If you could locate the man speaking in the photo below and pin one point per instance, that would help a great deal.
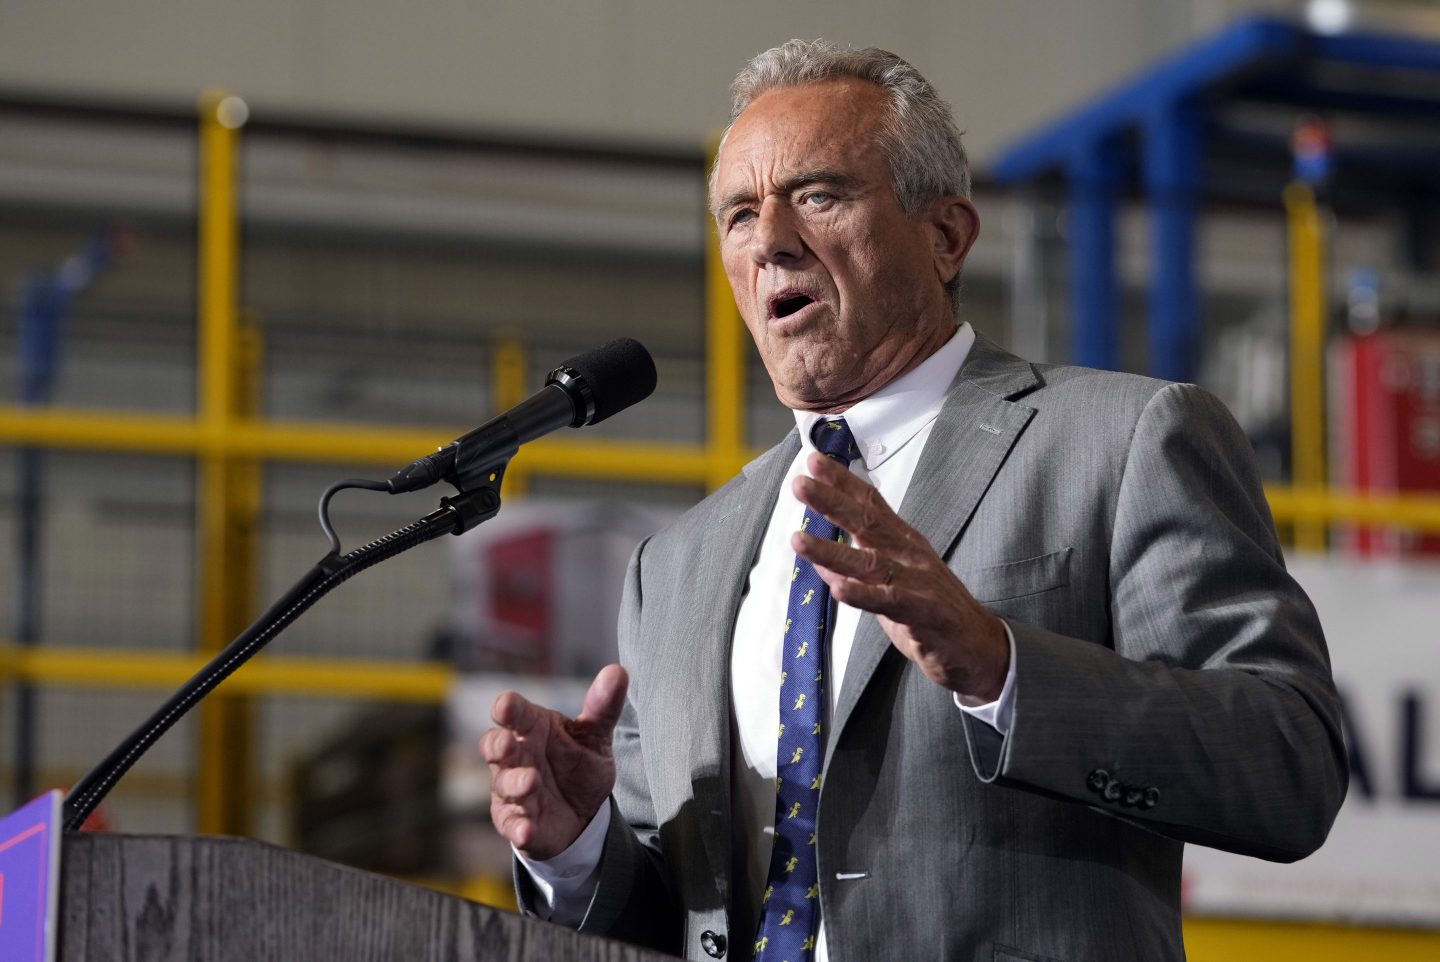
(956, 669)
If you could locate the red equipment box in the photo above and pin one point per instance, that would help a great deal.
(1385, 417)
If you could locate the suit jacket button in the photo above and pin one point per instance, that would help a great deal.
(1132, 796)
(1150, 797)
(1113, 789)
(713, 943)
(1098, 779)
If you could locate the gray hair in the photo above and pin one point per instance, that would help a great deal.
(919, 138)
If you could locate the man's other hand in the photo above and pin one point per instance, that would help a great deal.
(549, 774)
(891, 570)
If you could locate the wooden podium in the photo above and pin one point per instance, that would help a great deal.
(156, 898)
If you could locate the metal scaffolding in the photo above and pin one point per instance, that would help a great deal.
(1168, 137)
(230, 440)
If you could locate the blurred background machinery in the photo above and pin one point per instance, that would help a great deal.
(211, 314)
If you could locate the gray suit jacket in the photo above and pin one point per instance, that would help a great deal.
(1172, 685)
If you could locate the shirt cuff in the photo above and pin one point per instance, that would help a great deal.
(998, 713)
(566, 883)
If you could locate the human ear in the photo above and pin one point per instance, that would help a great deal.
(956, 225)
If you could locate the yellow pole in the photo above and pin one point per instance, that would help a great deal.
(1307, 352)
(221, 117)
(236, 795)
(225, 535)
(508, 367)
(725, 339)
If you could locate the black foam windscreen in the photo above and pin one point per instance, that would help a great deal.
(618, 374)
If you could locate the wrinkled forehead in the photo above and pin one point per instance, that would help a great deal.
(832, 124)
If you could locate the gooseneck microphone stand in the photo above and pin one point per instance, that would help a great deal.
(478, 500)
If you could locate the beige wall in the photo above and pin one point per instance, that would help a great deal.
(626, 70)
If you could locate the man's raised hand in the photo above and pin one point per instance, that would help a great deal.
(890, 569)
(549, 774)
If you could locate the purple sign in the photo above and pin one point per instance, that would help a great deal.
(29, 880)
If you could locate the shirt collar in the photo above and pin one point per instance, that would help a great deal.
(887, 420)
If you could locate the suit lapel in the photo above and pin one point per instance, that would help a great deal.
(726, 556)
(977, 426)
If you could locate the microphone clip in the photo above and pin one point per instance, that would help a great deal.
(482, 456)
(478, 500)
(467, 463)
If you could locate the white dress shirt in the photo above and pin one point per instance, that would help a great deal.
(890, 429)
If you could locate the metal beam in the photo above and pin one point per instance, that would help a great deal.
(725, 354)
(321, 443)
(1214, 939)
(1096, 172)
(228, 499)
(113, 668)
(1171, 165)
(1246, 46)
(1306, 232)
(1320, 506)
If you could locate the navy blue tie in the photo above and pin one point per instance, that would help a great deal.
(790, 906)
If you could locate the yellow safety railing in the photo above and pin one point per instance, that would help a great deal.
(291, 675)
(229, 441)
(320, 443)
(1318, 507)
(1232, 940)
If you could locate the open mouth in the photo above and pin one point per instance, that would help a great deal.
(789, 304)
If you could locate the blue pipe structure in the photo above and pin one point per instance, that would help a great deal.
(1154, 135)
(44, 311)
(1171, 171)
(1095, 185)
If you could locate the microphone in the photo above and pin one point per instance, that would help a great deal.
(586, 389)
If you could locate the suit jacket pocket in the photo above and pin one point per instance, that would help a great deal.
(1004, 953)
(1016, 579)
